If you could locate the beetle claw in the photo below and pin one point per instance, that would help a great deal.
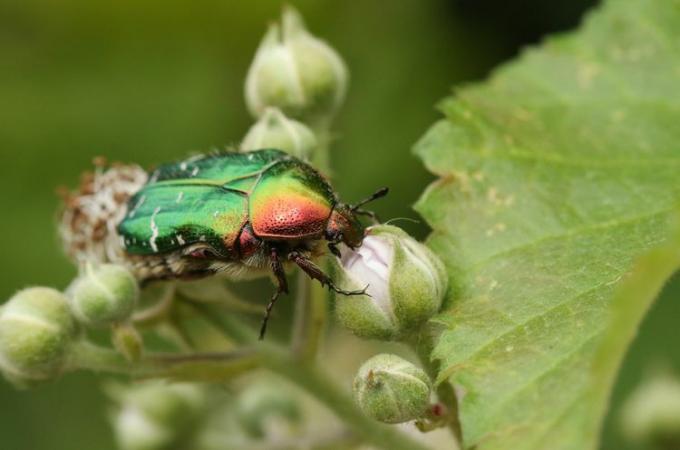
(332, 287)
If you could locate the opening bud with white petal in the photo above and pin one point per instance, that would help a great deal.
(104, 295)
(275, 130)
(406, 284)
(295, 72)
(36, 331)
(392, 390)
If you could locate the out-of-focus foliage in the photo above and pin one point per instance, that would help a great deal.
(148, 81)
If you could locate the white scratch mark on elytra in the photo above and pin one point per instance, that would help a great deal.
(154, 229)
(194, 172)
(139, 203)
(180, 196)
(180, 239)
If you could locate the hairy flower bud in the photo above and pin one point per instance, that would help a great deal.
(275, 130)
(104, 295)
(652, 413)
(157, 415)
(392, 390)
(406, 284)
(36, 330)
(295, 72)
(265, 401)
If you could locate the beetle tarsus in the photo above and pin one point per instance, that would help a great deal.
(282, 287)
(316, 273)
(334, 250)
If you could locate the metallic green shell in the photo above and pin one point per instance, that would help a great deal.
(206, 199)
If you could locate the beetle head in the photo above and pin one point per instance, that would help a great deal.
(344, 225)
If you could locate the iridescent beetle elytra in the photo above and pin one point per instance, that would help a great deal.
(238, 213)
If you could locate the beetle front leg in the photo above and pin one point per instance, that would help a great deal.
(316, 273)
(281, 287)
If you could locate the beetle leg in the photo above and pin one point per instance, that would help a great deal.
(316, 273)
(281, 287)
(334, 249)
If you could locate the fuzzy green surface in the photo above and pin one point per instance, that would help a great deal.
(104, 295)
(35, 331)
(556, 174)
(391, 389)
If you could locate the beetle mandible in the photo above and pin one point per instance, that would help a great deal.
(239, 213)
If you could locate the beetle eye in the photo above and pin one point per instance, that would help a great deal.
(203, 253)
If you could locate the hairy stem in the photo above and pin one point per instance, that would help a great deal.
(311, 309)
(195, 366)
(317, 383)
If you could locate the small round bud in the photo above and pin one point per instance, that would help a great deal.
(651, 415)
(392, 390)
(104, 295)
(263, 402)
(295, 72)
(274, 130)
(406, 284)
(156, 415)
(36, 330)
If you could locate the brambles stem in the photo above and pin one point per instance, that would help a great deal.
(314, 381)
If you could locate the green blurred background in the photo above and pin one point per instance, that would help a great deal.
(149, 81)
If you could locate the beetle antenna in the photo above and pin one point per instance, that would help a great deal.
(376, 195)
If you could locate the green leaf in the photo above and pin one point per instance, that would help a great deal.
(557, 174)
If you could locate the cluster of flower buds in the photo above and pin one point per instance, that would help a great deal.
(39, 326)
(392, 390)
(406, 284)
(295, 72)
(157, 415)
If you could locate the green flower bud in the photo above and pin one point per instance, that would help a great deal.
(295, 72)
(406, 284)
(156, 415)
(651, 415)
(274, 130)
(392, 390)
(264, 401)
(104, 295)
(36, 331)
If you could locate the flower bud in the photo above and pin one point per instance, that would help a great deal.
(274, 130)
(296, 72)
(104, 295)
(156, 415)
(264, 402)
(36, 330)
(391, 389)
(406, 284)
(652, 413)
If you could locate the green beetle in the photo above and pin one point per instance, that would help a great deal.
(239, 213)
